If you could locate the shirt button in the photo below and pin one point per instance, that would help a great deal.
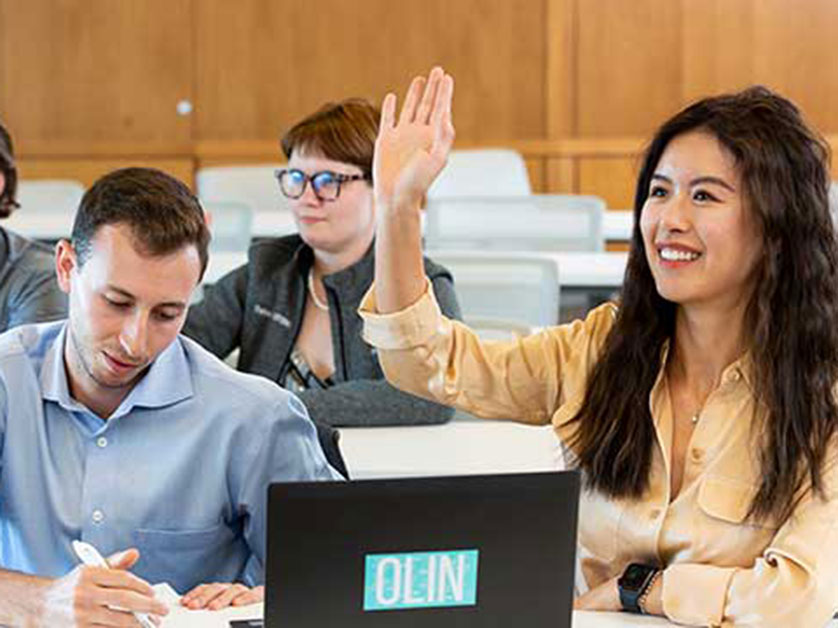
(102, 442)
(98, 516)
(734, 376)
(697, 454)
(654, 513)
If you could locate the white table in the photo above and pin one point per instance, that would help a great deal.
(220, 619)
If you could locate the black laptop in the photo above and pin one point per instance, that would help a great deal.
(437, 552)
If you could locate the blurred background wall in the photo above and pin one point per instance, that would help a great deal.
(575, 85)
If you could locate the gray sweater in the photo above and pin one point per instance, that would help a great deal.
(258, 308)
(29, 292)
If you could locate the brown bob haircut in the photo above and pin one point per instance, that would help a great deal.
(344, 131)
(8, 197)
(162, 212)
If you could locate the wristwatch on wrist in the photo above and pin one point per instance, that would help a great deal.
(633, 583)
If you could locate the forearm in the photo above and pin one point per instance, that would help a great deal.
(399, 271)
(21, 599)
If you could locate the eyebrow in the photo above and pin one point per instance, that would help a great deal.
(699, 180)
(176, 304)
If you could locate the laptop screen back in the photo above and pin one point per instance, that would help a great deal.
(465, 551)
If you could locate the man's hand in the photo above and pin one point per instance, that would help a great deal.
(87, 596)
(220, 595)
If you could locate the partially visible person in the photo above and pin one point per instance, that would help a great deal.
(292, 309)
(701, 407)
(117, 431)
(28, 290)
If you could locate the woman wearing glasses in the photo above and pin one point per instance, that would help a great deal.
(28, 290)
(291, 310)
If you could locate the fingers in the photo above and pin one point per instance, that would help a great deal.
(441, 120)
(256, 594)
(123, 560)
(117, 579)
(388, 111)
(423, 113)
(411, 101)
(213, 596)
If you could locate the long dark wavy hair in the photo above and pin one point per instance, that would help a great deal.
(791, 320)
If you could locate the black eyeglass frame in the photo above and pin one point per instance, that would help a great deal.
(337, 176)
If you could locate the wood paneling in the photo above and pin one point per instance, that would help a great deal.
(611, 178)
(535, 170)
(88, 170)
(96, 70)
(561, 68)
(629, 65)
(562, 175)
(263, 64)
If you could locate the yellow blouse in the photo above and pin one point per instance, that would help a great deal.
(720, 569)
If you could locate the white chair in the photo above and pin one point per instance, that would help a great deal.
(47, 208)
(520, 289)
(254, 186)
(484, 172)
(559, 222)
(230, 225)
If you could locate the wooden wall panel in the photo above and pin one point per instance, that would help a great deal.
(263, 64)
(88, 170)
(629, 65)
(611, 178)
(96, 70)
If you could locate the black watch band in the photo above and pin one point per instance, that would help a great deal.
(633, 584)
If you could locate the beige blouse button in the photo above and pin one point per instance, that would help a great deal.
(654, 513)
(697, 454)
(733, 376)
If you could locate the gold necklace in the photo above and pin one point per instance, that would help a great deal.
(314, 298)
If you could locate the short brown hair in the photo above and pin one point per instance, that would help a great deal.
(162, 212)
(344, 131)
(8, 197)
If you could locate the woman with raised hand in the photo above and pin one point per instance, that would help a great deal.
(291, 310)
(700, 408)
(29, 292)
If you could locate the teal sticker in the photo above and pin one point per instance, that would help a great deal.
(420, 580)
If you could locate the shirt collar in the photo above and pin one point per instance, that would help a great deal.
(167, 381)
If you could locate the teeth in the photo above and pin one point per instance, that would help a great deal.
(674, 255)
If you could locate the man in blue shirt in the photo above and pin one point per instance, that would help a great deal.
(117, 431)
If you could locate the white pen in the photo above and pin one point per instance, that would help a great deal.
(91, 557)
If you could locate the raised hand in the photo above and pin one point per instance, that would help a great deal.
(411, 152)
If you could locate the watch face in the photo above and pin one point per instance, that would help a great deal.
(634, 576)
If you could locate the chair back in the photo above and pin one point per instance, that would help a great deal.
(557, 222)
(483, 172)
(520, 289)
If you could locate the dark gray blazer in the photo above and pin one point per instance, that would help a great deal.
(29, 292)
(258, 308)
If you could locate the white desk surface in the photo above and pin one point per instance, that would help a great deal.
(576, 269)
(219, 619)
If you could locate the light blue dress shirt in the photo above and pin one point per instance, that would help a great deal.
(179, 471)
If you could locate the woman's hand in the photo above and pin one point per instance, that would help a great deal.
(411, 152)
(605, 597)
(221, 595)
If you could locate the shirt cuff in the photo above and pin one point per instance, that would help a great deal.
(696, 594)
(407, 328)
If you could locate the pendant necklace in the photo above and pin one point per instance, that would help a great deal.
(314, 298)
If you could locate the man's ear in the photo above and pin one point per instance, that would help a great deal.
(65, 262)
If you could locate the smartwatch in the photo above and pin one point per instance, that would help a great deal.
(633, 584)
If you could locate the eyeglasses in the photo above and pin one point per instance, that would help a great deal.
(326, 184)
